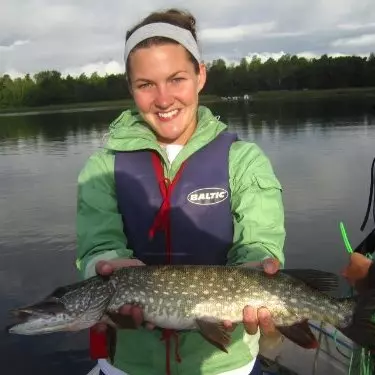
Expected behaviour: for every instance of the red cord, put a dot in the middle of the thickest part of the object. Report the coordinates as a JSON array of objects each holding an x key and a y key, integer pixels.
[{"x": 163, "y": 222}]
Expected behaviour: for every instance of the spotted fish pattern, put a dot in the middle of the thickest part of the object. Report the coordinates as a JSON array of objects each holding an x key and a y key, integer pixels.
[
  {"x": 185, "y": 297},
  {"x": 174, "y": 297}
]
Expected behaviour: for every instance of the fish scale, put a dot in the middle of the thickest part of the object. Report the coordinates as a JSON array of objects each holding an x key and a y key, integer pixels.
[
  {"x": 202, "y": 298},
  {"x": 219, "y": 293}
]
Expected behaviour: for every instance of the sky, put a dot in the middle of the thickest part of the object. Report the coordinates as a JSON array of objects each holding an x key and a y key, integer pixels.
[{"x": 88, "y": 36}]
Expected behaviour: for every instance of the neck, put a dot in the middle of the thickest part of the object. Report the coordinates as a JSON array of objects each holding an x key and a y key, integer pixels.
[{"x": 181, "y": 140}]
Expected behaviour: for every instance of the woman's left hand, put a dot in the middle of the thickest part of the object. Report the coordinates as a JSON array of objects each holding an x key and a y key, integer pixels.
[
  {"x": 357, "y": 269},
  {"x": 252, "y": 317}
]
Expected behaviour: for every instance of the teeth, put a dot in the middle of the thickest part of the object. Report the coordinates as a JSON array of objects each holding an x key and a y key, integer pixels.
[{"x": 168, "y": 114}]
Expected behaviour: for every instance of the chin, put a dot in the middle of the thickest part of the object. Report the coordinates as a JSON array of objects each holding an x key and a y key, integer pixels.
[{"x": 168, "y": 139}]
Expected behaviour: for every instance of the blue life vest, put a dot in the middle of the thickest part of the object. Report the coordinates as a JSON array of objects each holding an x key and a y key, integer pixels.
[{"x": 189, "y": 217}]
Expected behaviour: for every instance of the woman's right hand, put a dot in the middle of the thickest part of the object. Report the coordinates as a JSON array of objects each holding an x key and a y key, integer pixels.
[{"x": 105, "y": 268}]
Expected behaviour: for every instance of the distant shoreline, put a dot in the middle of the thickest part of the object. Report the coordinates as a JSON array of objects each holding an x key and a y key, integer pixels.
[{"x": 367, "y": 93}]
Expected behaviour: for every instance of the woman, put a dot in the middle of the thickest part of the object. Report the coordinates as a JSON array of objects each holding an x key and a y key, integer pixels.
[{"x": 173, "y": 187}]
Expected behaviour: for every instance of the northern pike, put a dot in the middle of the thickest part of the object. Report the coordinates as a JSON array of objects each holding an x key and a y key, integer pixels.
[{"x": 201, "y": 298}]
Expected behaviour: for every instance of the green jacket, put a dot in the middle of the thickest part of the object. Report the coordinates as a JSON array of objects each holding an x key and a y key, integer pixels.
[{"x": 259, "y": 233}]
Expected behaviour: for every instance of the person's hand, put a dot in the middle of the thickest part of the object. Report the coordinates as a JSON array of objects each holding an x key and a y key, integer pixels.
[
  {"x": 252, "y": 317},
  {"x": 106, "y": 268},
  {"x": 357, "y": 269}
]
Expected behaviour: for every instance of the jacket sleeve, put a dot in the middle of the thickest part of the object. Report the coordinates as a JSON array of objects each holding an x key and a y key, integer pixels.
[
  {"x": 99, "y": 225},
  {"x": 257, "y": 207}
]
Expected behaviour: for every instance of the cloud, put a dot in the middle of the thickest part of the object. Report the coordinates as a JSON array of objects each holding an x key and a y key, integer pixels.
[
  {"x": 81, "y": 36},
  {"x": 353, "y": 26},
  {"x": 101, "y": 68},
  {"x": 245, "y": 33},
  {"x": 16, "y": 43},
  {"x": 360, "y": 41},
  {"x": 235, "y": 33}
]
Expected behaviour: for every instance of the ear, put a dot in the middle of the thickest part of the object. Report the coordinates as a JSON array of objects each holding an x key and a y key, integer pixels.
[{"x": 202, "y": 76}]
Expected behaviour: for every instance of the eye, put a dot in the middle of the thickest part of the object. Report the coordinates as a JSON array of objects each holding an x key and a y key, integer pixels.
[
  {"x": 177, "y": 79},
  {"x": 144, "y": 86}
]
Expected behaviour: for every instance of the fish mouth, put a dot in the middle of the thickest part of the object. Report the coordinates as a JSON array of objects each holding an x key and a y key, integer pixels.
[
  {"x": 25, "y": 313},
  {"x": 35, "y": 321},
  {"x": 23, "y": 316},
  {"x": 45, "y": 309},
  {"x": 39, "y": 318}
]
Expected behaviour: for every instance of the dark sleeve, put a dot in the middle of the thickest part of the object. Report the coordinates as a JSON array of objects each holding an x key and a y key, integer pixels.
[{"x": 371, "y": 276}]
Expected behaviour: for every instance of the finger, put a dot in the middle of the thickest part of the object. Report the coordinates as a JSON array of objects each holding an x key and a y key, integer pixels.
[
  {"x": 347, "y": 274},
  {"x": 103, "y": 268},
  {"x": 250, "y": 320},
  {"x": 266, "y": 323},
  {"x": 126, "y": 310},
  {"x": 228, "y": 325},
  {"x": 150, "y": 326},
  {"x": 120, "y": 263},
  {"x": 251, "y": 264},
  {"x": 135, "y": 312},
  {"x": 137, "y": 262},
  {"x": 137, "y": 315},
  {"x": 100, "y": 327},
  {"x": 271, "y": 265},
  {"x": 344, "y": 273}
]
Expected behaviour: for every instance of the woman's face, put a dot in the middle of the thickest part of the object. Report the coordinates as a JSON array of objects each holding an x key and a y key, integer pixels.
[{"x": 165, "y": 89}]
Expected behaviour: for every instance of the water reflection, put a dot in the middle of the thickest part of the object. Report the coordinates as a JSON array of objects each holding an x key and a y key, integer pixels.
[
  {"x": 321, "y": 152},
  {"x": 291, "y": 116},
  {"x": 54, "y": 129}
]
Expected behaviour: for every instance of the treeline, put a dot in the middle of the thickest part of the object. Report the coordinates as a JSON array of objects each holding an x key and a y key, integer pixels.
[{"x": 290, "y": 72}]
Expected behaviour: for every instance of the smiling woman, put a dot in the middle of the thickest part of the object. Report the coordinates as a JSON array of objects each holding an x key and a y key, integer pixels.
[
  {"x": 165, "y": 88},
  {"x": 172, "y": 186},
  {"x": 165, "y": 77}
]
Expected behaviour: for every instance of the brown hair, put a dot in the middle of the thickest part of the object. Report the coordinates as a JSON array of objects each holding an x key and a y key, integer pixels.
[{"x": 173, "y": 16}]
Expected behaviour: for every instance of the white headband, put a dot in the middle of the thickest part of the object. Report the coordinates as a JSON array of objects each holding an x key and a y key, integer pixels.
[{"x": 179, "y": 34}]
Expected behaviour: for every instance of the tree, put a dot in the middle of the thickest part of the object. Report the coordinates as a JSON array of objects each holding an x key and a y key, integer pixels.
[{"x": 289, "y": 72}]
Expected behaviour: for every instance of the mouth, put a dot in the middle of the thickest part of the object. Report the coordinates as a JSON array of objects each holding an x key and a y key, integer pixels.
[
  {"x": 31, "y": 320},
  {"x": 25, "y": 314},
  {"x": 168, "y": 116},
  {"x": 22, "y": 317}
]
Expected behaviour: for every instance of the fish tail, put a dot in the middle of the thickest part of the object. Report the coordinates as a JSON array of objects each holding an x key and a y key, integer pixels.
[{"x": 361, "y": 329}]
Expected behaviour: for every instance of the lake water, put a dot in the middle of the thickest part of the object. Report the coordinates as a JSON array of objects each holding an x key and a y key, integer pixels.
[{"x": 321, "y": 152}]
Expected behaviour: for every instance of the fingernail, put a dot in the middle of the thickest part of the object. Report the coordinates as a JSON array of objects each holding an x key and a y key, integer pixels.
[
  {"x": 126, "y": 309},
  {"x": 101, "y": 328},
  {"x": 269, "y": 267},
  {"x": 107, "y": 267}
]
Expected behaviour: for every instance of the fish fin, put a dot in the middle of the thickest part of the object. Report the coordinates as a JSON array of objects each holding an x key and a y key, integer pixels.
[
  {"x": 120, "y": 321},
  {"x": 111, "y": 342},
  {"x": 301, "y": 334},
  {"x": 361, "y": 329},
  {"x": 316, "y": 279},
  {"x": 215, "y": 333}
]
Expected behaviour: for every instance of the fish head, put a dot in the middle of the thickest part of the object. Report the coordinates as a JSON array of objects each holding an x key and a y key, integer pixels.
[
  {"x": 70, "y": 308},
  {"x": 41, "y": 318}
]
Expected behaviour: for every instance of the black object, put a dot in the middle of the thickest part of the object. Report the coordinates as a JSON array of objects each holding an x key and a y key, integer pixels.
[{"x": 367, "y": 246}]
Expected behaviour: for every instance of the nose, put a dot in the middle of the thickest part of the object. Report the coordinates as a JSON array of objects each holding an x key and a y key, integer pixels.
[{"x": 163, "y": 97}]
